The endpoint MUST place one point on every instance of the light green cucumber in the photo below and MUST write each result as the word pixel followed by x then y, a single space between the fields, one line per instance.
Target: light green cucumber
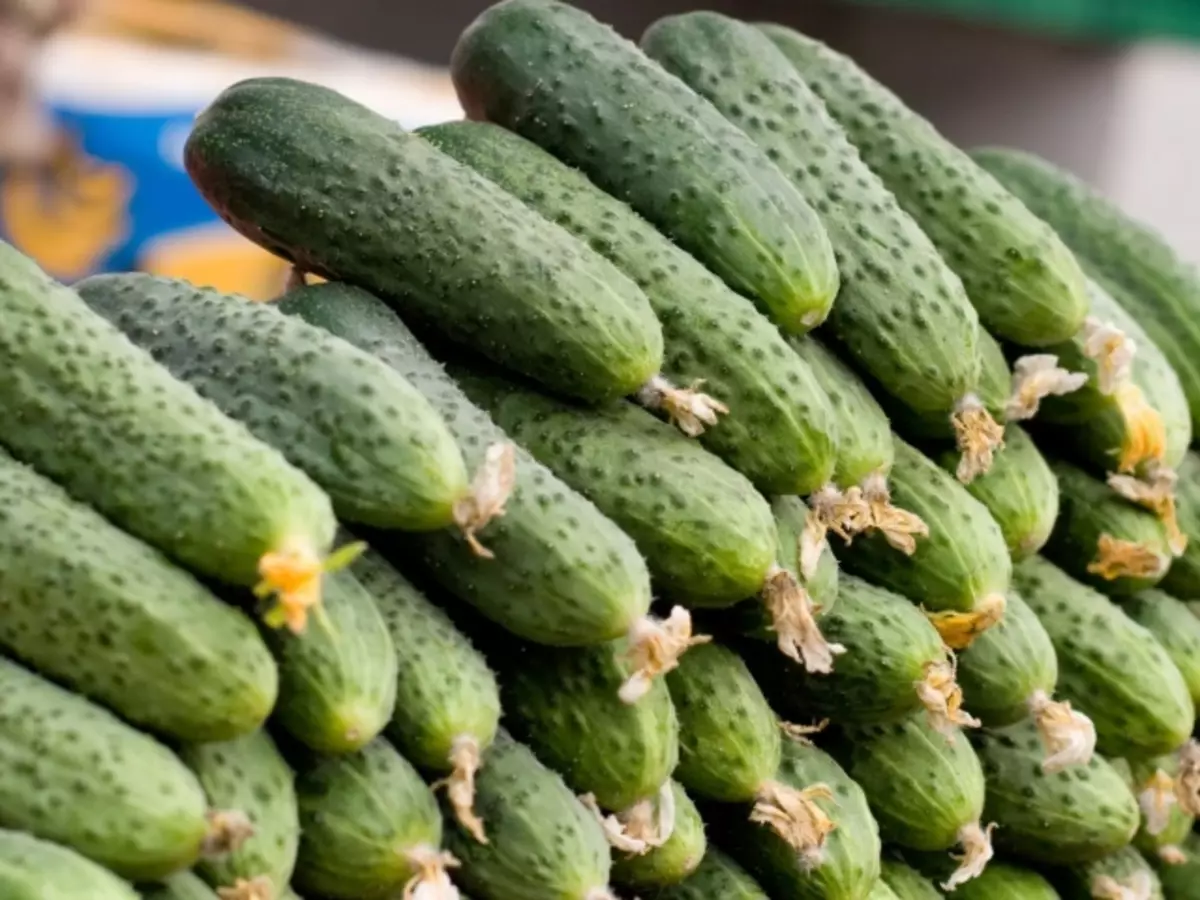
pixel 845 868
pixel 1182 882
pixel 909 884
pixel 370 827
pixel 249 774
pixel 1104 540
pixel 881 891
pixel 338 680
pixel 777 429
pixel 1005 881
pixel 182 886
pixel 110 617
pixel 543 844
pixel 1125 870
pixel 1018 272
pixel 96 414
pixel 1183 578
pixel 76 775
pixel 1109 667
pixel 717 878
pixel 31 869
pixel 1175 627
pixel 589 581
pixel 1164 824
pixel 673 861
pixel 542 69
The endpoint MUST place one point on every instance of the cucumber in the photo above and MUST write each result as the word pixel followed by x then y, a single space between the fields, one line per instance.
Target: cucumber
pixel 775 428
pixel 441 723
pixel 925 789
pixel 960 572
pixel 911 327
pixel 338 681
pixel 450 250
pixel 250 775
pixel 846 867
pixel 717 878
pixel 590 582
pixel 1020 276
pixel 370 827
pixel 542 69
pixel 1182 881
pixel 1056 817
pixel 1109 667
pixel 31 869
pixel 1164 822
pixel 676 858
pixel 1175 627
pixel 1124 874
pixel 76 775
pixel 909 884
pixel 1183 578
pixel 1161 289
pixel 145 617
pixel 1104 540
pixel 1020 491
pixel 1004 881
pixel 79 399
pixel 881 891
pixel 183 886
pixel 542 843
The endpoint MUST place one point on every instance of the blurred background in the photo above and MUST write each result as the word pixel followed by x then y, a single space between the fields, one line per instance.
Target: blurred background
pixel 97 96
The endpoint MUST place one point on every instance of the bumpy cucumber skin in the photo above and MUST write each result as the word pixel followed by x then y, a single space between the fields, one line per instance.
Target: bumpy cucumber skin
pixel 95 413
pixel 888 645
pixel 542 843
pixel 569 83
pixel 448 248
pixel 1020 491
pixel 1004 881
pixel 1173 626
pixel 1162 290
pixel 729 739
pixel 922 788
pixel 717 878
pixel 1006 664
pixel 1183 578
pixel 1109 667
pixel 444 688
pixel 964 558
pixel 707 536
pixel 850 861
pixel 182 886
pixel 1075 882
pixel 88 605
pixel 590 582
pixel 1183 882
pixel 779 431
pixel 337 680
pixel 359 815
pixel 76 775
pixel 249 775
pixel 909 884
pixel 1020 276
pixel 884 311
pixel 1073 816
pixel 1089 508
pixel 31 869
pixel 675 860
pixel 351 422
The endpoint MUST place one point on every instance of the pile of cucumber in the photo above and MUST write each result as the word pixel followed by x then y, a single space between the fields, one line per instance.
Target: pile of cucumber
pixel 691 477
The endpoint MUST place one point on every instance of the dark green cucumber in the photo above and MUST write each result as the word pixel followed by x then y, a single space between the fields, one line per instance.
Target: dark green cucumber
pixel 1175 627
pixel 183 886
pixel 543 844
pixel 338 681
pixel 110 617
pixel 1164 823
pixel 543 69
pixel 1019 274
pixel 350 421
pixel 96 414
pixel 1020 491
pixel 76 775
pixel 249 774
pixel 846 867
pixel 453 252
pixel 1109 667
pixel 1004 881
pixel 588 579
pixel 707 536
pixel 717 878
pixel 778 430
pixel 1104 540
pixel 1183 578
pixel 1070 816
pixel 1124 874
pixel 673 861
pixel 909 884
pixel 1182 881
pixel 31 869
pixel 1161 290
pixel 370 827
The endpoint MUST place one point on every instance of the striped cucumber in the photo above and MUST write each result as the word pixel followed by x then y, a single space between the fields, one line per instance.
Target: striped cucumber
pixel 1124 874
pixel 1175 627
pixel 31 869
pixel 1183 578
pixel 96 414
pixel 717 878
pixel 775 426
pixel 542 69
pixel 672 861
pixel 909 884
pixel 590 582
pixel 182 886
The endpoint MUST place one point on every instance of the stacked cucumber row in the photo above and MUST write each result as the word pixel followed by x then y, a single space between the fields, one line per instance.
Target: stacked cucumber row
pixel 689 478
